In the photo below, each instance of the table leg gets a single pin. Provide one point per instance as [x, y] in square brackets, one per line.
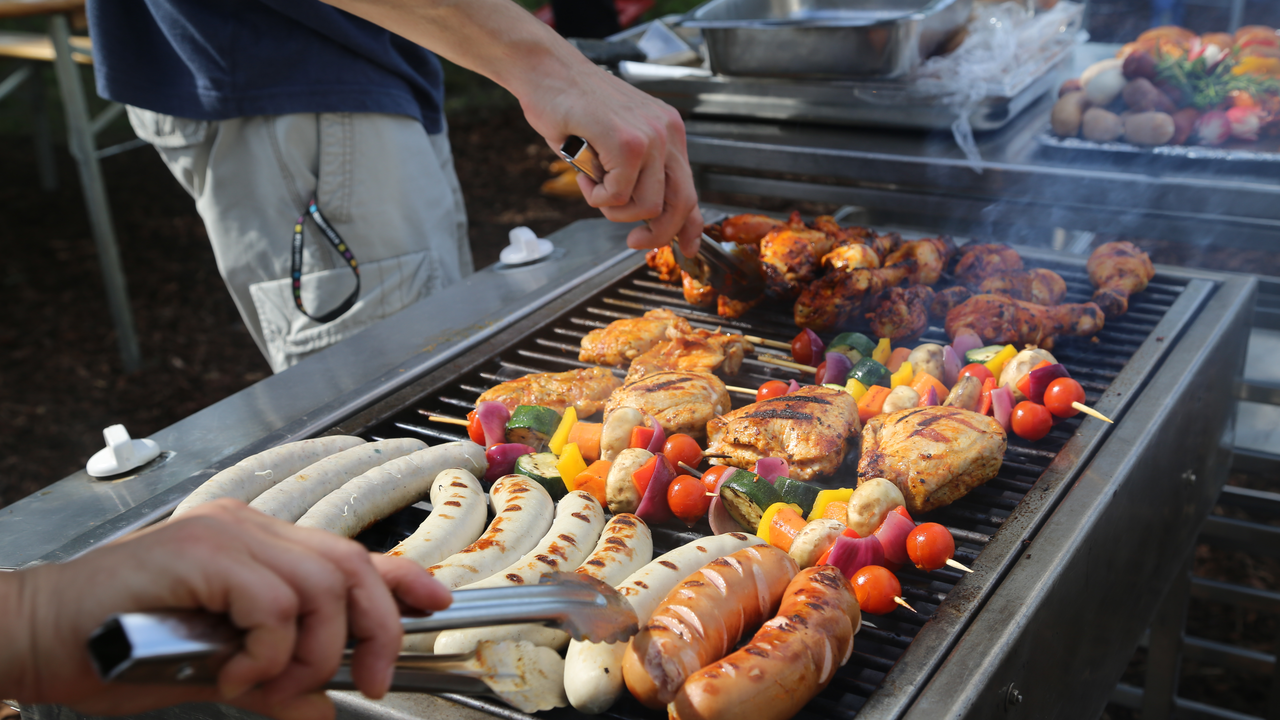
[80, 139]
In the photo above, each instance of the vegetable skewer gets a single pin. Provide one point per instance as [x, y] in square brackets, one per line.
[448, 420]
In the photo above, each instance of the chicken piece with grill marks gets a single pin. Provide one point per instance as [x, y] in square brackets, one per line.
[931, 256]
[944, 300]
[998, 320]
[663, 261]
[727, 307]
[699, 351]
[587, 390]
[681, 402]
[979, 262]
[835, 299]
[789, 257]
[623, 340]
[1037, 285]
[1118, 269]
[901, 313]
[812, 429]
[851, 255]
[935, 455]
[748, 229]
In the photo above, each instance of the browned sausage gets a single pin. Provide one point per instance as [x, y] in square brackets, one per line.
[703, 618]
[789, 661]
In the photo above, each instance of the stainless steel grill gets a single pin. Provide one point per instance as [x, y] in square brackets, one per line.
[991, 524]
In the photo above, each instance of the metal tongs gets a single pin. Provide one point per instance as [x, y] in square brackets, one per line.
[190, 647]
[731, 272]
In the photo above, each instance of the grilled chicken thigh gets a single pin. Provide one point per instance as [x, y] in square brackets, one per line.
[850, 256]
[901, 313]
[1118, 269]
[698, 351]
[789, 257]
[697, 293]
[587, 390]
[748, 229]
[931, 256]
[682, 402]
[1037, 285]
[811, 428]
[944, 300]
[979, 262]
[998, 319]
[834, 299]
[663, 261]
[623, 340]
[935, 455]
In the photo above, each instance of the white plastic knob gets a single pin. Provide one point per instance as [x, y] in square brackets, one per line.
[525, 247]
[122, 453]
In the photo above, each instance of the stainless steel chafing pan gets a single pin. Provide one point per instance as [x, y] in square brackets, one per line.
[839, 39]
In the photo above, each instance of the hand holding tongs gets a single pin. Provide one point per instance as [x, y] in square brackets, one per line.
[730, 272]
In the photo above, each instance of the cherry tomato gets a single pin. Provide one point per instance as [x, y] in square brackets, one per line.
[1031, 421]
[821, 371]
[711, 478]
[773, 388]
[687, 498]
[876, 587]
[1059, 396]
[681, 448]
[930, 546]
[977, 370]
[474, 431]
[802, 349]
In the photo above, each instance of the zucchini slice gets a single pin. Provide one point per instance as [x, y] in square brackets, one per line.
[542, 468]
[532, 425]
[800, 493]
[854, 345]
[982, 355]
[746, 497]
[870, 372]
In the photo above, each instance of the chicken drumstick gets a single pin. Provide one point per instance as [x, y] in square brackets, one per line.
[998, 319]
[1118, 269]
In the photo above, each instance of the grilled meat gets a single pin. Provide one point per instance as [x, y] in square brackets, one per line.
[979, 262]
[944, 300]
[854, 255]
[663, 261]
[698, 351]
[623, 340]
[696, 293]
[931, 256]
[789, 257]
[587, 390]
[728, 308]
[901, 313]
[833, 299]
[811, 428]
[682, 402]
[1118, 269]
[998, 319]
[748, 229]
[935, 455]
[1037, 285]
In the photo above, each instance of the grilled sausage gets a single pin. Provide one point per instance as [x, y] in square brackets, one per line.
[702, 619]
[250, 477]
[365, 500]
[458, 511]
[524, 516]
[789, 661]
[593, 671]
[292, 497]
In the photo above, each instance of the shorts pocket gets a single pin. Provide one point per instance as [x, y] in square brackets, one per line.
[167, 131]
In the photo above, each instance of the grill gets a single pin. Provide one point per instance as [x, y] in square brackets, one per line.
[990, 524]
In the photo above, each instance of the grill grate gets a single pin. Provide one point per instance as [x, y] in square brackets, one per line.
[972, 520]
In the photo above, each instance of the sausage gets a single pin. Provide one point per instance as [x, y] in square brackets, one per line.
[788, 662]
[702, 619]
[292, 497]
[625, 545]
[593, 671]
[251, 477]
[524, 515]
[458, 512]
[870, 502]
[365, 500]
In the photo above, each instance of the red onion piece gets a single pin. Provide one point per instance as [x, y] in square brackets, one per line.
[718, 515]
[816, 347]
[493, 417]
[838, 368]
[851, 554]
[892, 534]
[1002, 405]
[659, 440]
[1213, 128]
[771, 468]
[502, 459]
[793, 387]
[1039, 381]
[951, 364]
[929, 399]
[654, 508]
[964, 342]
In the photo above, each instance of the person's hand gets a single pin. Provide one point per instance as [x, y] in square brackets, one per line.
[299, 594]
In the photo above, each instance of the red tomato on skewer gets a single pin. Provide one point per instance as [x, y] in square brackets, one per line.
[1059, 396]
[681, 448]
[687, 498]
[876, 587]
[930, 546]
[771, 389]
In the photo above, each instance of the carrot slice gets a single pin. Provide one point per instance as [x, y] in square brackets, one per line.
[897, 357]
[587, 437]
[923, 381]
[784, 527]
[592, 480]
[836, 510]
[872, 403]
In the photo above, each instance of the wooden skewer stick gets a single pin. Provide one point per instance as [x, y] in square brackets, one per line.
[766, 342]
[741, 390]
[715, 456]
[786, 363]
[958, 566]
[904, 604]
[692, 471]
[448, 420]
[1091, 412]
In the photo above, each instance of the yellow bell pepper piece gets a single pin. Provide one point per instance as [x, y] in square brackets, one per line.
[561, 435]
[828, 496]
[766, 520]
[996, 364]
[1257, 66]
[856, 389]
[902, 377]
[882, 352]
[571, 464]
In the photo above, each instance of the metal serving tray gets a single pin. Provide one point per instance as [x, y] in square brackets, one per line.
[1265, 150]
[830, 39]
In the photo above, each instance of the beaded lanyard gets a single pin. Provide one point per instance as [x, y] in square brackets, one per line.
[338, 244]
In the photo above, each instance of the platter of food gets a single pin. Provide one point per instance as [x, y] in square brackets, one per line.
[1175, 95]
[788, 489]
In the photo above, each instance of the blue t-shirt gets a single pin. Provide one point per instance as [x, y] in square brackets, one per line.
[219, 59]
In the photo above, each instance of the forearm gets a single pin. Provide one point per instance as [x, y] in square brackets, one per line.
[17, 639]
